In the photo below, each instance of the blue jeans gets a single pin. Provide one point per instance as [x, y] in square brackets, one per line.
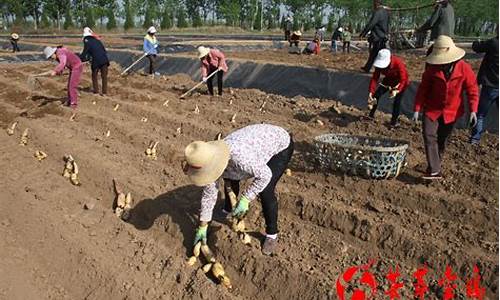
[489, 95]
[334, 46]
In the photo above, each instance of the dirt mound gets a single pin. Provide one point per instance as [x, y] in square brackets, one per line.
[54, 248]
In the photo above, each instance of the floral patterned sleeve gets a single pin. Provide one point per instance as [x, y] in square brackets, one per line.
[208, 200]
[261, 177]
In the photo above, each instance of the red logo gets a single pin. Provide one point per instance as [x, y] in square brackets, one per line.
[366, 279]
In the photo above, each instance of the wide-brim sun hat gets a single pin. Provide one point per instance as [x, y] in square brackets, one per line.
[14, 36]
[444, 51]
[152, 29]
[383, 59]
[297, 33]
[49, 51]
[203, 51]
[206, 161]
[87, 32]
[341, 29]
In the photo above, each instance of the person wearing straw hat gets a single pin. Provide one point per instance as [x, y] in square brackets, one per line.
[395, 83]
[212, 60]
[295, 38]
[439, 97]
[14, 38]
[151, 48]
[260, 152]
[66, 59]
[94, 49]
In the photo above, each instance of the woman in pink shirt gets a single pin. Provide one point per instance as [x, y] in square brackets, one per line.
[212, 60]
[70, 60]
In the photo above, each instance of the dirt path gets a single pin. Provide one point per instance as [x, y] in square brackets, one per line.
[55, 249]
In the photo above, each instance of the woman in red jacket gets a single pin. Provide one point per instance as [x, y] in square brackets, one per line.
[212, 60]
[395, 82]
[439, 96]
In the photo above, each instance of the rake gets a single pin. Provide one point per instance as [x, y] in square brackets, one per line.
[133, 64]
[197, 85]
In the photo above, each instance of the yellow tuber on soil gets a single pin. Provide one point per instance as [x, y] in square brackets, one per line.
[262, 106]
[116, 107]
[72, 118]
[40, 155]
[10, 130]
[288, 172]
[196, 249]
[233, 118]
[220, 274]
[206, 268]
[166, 103]
[196, 110]
[71, 170]
[192, 260]
[151, 150]
[24, 138]
[207, 253]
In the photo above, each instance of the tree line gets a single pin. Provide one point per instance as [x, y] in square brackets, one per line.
[472, 17]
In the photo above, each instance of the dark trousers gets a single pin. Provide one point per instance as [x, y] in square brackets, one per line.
[15, 47]
[436, 134]
[489, 97]
[346, 45]
[210, 83]
[287, 35]
[104, 78]
[396, 106]
[376, 47]
[151, 58]
[278, 164]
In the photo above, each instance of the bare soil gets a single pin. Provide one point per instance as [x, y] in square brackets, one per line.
[53, 248]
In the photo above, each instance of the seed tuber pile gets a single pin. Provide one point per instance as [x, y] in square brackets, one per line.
[123, 203]
[151, 150]
[40, 155]
[71, 170]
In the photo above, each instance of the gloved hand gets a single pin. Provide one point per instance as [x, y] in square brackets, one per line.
[415, 117]
[393, 93]
[241, 208]
[204, 79]
[473, 119]
[371, 101]
[201, 234]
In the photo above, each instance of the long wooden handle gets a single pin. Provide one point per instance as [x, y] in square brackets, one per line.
[198, 84]
[134, 63]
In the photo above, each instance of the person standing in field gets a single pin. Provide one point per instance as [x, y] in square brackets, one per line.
[336, 38]
[259, 152]
[487, 77]
[287, 26]
[151, 48]
[442, 20]
[14, 38]
[379, 28]
[66, 59]
[346, 40]
[212, 60]
[439, 97]
[395, 83]
[94, 50]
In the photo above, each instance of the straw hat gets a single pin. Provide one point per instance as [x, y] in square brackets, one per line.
[48, 51]
[383, 59]
[152, 29]
[203, 51]
[206, 160]
[298, 33]
[444, 51]
[14, 36]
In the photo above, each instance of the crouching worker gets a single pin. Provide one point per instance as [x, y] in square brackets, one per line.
[439, 96]
[395, 82]
[259, 152]
[212, 60]
[66, 59]
[312, 47]
[94, 49]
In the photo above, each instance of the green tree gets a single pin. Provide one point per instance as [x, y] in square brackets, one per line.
[129, 17]
[68, 19]
[111, 20]
[44, 20]
[89, 18]
[181, 17]
[148, 17]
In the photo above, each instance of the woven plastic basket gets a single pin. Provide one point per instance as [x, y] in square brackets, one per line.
[371, 157]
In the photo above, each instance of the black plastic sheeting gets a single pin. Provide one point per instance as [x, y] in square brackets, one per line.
[290, 81]
[349, 88]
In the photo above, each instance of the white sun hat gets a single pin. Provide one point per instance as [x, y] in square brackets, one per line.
[152, 29]
[87, 32]
[383, 59]
[48, 51]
